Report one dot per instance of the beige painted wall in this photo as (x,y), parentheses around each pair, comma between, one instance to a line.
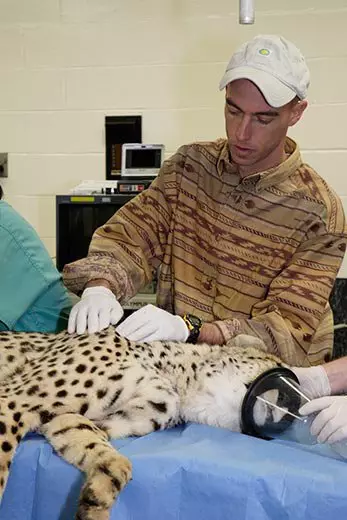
(65,64)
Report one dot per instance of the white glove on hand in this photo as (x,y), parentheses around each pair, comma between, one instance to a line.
(330,425)
(97,309)
(313,381)
(151,324)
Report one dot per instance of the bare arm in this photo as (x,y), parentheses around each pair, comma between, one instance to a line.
(211,334)
(337,374)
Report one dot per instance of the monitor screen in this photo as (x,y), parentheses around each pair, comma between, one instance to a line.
(143,158)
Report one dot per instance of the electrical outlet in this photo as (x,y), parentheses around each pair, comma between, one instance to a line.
(3,165)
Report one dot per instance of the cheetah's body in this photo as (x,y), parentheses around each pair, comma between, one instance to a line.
(79,391)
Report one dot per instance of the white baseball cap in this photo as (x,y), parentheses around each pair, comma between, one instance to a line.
(274,65)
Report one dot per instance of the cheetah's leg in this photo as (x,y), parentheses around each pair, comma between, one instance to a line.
(155,406)
(79,441)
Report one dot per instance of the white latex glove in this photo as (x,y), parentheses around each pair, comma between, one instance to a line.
(97,309)
(313,381)
(151,323)
(330,425)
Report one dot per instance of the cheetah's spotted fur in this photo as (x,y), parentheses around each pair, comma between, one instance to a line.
(79,391)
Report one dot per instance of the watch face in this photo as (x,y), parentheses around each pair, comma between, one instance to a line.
(194,320)
(194,325)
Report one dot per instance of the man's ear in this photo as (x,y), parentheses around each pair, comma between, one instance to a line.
(297,111)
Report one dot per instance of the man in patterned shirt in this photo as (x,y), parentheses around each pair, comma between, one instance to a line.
(246,238)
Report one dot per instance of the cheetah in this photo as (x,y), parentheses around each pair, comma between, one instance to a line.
(81,390)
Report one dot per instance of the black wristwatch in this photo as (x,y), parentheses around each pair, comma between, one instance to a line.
(194,325)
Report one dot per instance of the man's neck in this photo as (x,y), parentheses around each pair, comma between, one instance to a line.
(247,171)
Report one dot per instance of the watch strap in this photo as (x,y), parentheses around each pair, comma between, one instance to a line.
(194,325)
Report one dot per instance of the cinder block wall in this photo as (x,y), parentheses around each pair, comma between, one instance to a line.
(65,64)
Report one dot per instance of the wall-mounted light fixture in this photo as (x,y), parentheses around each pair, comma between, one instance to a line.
(246,15)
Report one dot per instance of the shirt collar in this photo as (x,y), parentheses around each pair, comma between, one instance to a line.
(267,178)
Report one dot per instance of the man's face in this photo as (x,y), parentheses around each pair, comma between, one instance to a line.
(256,131)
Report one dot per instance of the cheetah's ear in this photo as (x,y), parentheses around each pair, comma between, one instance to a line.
(245,341)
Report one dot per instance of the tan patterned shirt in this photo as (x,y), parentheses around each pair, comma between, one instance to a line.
(258,255)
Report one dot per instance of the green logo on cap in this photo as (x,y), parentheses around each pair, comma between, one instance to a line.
(264,52)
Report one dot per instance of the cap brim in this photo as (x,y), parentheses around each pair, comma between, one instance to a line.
(274,91)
